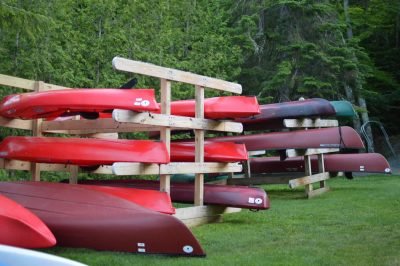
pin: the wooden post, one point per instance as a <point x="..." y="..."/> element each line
<point x="36" y="132"/>
<point x="165" y="132"/>
<point x="321" y="169"/>
<point x="308" y="172"/>
<point x="199" y="148"/>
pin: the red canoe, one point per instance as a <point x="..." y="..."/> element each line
<point x="21" y="228"/>
<point x="219" y="107"/>
<point x="272" y="115"/>
<point x="63" y="102"/>
<point x="150" y="199"/>
<point x="231" y="196"/>
<point x="85" y="218"/>
<point x="335" y="137"/>
<point x="357" y="162"/>
<point x="213" y="152"/>
<point x="80" y="151"/>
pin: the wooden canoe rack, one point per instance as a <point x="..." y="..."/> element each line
<point x="128" y="121"/>
<point x="308" y="180"/>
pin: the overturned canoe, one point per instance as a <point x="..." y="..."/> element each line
<point x="272" y="115"/>
<point x="231" y="196"/>
<point x="150" y="199"/>
<point x="219" y="107"/>
<point x="85" y="218"/>
<point x="75" y="101"/>
<point x="80" y="151"/>
<point x="343" y="108"/>
<point x="356" y="162"/>
<point x="213" y="152"/>
<point x="334" y="137"/>
<point x="21" y="228"/>
<point x="12" y="256"/>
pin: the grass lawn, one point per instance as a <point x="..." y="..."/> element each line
<point x="356" y="223"/>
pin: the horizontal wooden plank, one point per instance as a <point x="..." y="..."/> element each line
<point x="16" y="123"/>
<point x="147" y="118"/>
<point x="308" y="122"/>
<point x="17" y="82"/>
<point x="255" y="153"/>
<point x="263" y="179"/>
<point x="198" y="215"/>
<point x="147" y="69"/>
<point x="311" y="151"/>
<point x="174" y="168"/>
<point x="317" y="192"/>
<point x="105" y="125"/>
<point x="308" y="179"/>
<point x="26" y="83"/>
<point x="23" y="165"/>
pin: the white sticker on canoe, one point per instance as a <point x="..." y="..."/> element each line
<point x="141" y="250"/>
<point x="388" y="170"/>
<point x="362" y="168"/>
<point x="141" y="102"/>
<point x="141" y="244"/>
<point x="188" y="249"/>
<point x="251" y="200"/>
<point x="258" y="201"/>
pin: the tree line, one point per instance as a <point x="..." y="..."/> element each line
<point x="279" y="50"/>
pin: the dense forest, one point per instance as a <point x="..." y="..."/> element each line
<point x="279" y="50"/>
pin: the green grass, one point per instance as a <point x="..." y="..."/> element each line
<point x="356" y="223"/>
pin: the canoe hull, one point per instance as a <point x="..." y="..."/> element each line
<point x="358" y="162"/>
<point x="230" y="196"/>
<point x="82" y="218"/>
<point x="335" y="137"/>
<point x="21" y="228"/>
<point x="84" y="152"/>
<point x="63" y="102"/>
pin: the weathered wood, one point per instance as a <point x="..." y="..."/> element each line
<point x="23" y="165"/>
<point x="198" y="215"/>
<point x="83" y="126"/>
<point x="308" y="180"/>
<point x="199" y="148"/>
<point x="147" y="69"/>
<point x="36" y="131"/>
<point x="301" y="152"/>
<point x="174" y="121"/>
<point x="26" y="83"/>
<point x="73" y="174"/>
<point x="321" y="168"/>
<point x="16" y="123"/>
<point x="255" y="153"/>
<point x="317" y="192"/>
<point x="165" y="132"/>
<point x="174" y="168"/>
<point x="307" y="122"/>
<point x="280" y="178"/>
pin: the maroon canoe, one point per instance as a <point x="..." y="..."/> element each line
<point x="334" y="137"/>
<point x="82" y="151"/>
<point x="69" y="102"/>
<point x="84" y="218"/>
<point x="357" y="162"/>
<point x="231" y="196"/>
<point x="21" y="228"/>
<point x="272" y="115"/>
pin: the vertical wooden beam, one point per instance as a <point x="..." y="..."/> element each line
<point x="246" y="168"/>
<point x="321" y="169"/>
<point x="199" y="148"/>
<point x="165" y="133"/>
<point x="308" y="172"/>
<point x="36" y="132"/>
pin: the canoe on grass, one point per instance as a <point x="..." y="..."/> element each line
<point x="82" y="151"/>
<point x="74" y="101"/>
<point x="334" y="137"/>
<point x="357" y="162"/>
<point x="230" y="196"/>
<point x="12" y="256"/>
<point x="84" y="218"/>
<point x="21" y="228"/>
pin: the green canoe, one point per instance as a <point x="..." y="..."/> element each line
<point x="343" y="108"/>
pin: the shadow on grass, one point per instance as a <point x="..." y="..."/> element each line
<point x="286" y="194"/>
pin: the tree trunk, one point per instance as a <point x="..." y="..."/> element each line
<point x="365" y="118"/>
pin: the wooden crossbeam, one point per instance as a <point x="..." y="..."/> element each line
<point x="147" y="69"/>
<point x="198" y="215"/>
<point x="302" y="181"/>
<point x="317" y="192"/>
<point x="104" y="125"/>
<point x="26" y="83"/>
<point x="174" y="168"/>
<point x="174" y="121"/>
<point x="307" y="122"/>
<point x="16" y="123"/>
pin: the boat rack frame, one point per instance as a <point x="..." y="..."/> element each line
<point x="128" y="121"/>
<point x="308" y="180"/>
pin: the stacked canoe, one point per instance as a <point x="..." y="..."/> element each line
<point x="111" y="217"/>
